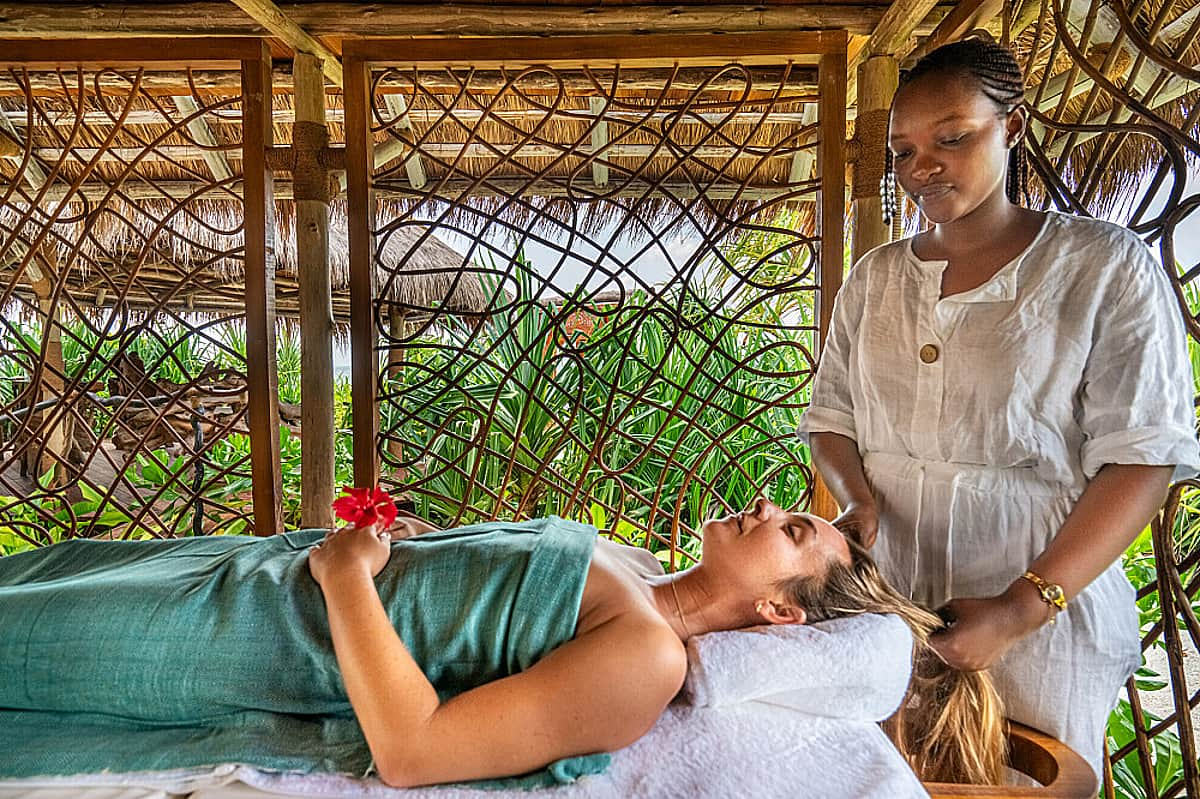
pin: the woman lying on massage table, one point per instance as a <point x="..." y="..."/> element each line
<point x="474" y="653"/>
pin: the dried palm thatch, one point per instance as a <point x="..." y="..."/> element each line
<point x="155" y="256"/>
<point x="1113" y="92"/>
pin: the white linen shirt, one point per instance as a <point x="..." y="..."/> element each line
<point x="980" y="418"/>
<point x="1072" y="356"/>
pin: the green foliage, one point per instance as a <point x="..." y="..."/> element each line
<point x="675" y="407"/>
<point x="1166" y="756"/>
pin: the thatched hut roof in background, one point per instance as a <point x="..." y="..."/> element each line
<point x="154" y="257"/>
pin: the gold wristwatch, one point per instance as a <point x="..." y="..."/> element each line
<point x="1052" y="593"/>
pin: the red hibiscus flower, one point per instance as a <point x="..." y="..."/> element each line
<point x="363" y="507"/>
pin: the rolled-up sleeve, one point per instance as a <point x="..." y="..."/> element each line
<point x="1136" y="396"/>
<point x="831" y="409"/>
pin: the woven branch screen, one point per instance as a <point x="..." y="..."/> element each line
<point x="123" y="412"/>
<point x="1114" y="134"/>
<point x="651" y="267"/>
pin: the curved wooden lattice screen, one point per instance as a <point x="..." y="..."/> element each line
<point x="645" y="232"/>
<point x="133" y="278"/>
<point x="1115" y="95"/>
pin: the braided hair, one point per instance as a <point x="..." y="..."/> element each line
<point x="994" y="67"/>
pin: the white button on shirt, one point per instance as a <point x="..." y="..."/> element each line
<point x="1071" y="357"/>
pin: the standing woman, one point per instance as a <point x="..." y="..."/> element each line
<point x="1002" y="402"/>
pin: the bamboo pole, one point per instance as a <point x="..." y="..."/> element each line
<point x="878" y="77"/>
<point x="310" y="186"/>
<point x="217" y="163"/>
<point x="32" y="173"/>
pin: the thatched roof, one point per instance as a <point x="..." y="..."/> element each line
<point x="492" y="153"/>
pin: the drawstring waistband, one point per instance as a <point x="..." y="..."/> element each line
<point x="1000" y="482"/>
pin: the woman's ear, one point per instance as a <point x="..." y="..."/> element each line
<point x="780" y="613"/>
<point x="1016" y="125"/>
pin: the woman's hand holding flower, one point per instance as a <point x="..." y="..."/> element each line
<point x="362" y="548"/>
<point x="350" y="551"/>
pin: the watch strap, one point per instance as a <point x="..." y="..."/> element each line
<point x="1051" y="593"/>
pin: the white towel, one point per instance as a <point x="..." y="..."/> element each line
<point x="855" y="667"/>
<point x="701" y="753"/>
<point x="749" y="750"/>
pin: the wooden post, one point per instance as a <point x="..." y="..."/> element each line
<point x="877" y="80"/>
<point x="261" y="373"/>
<point x="311" y="191"/>
<point x="47" y="450"/>
<point x="831" y="160"/>
<point x="360" y="209"/>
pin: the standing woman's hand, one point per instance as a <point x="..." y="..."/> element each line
<point x="350" y="551"/>
<point x="983" y="629"/>
<point x="859" y="521"/>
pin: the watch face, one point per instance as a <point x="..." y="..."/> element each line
<point x="1054" y="593"/>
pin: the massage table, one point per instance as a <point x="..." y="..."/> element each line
<point x="760" y="751"/>
<point x="743" y="750"/>
<point x="777" y="711"/>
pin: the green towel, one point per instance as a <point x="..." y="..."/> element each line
<point x="149" y="655"/>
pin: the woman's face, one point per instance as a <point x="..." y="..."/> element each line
<point x="766" y="544"/>
<point x="950" y="145"/>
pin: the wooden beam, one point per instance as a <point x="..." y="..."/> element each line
<point x="33" y="174"/>
<point x="261" y="372"/>
<point x="217" y="163"/>
<point x="360" y="213"/>
<point x="801" y="80"/>
<point x="831" y="161"/>
<point x="803" y="47"/>
<point x="397" y="106"/>
<point x="280" y="24"/>
<point x="446" y="151"/>
<point x="894" y="33"/>
<point x="965" y="17"/>
<point x="447" y="190"/>
<point x="286" y="116"/>
<point x="892" y="36"/>
<point x="328" y="19"/>
<point x="597" y="105"/>
<point x="137" y="52"/>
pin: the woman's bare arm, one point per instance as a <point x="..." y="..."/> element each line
<point x="581" y="698"/>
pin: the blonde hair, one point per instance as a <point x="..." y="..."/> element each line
<point x="950" y="725"/>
